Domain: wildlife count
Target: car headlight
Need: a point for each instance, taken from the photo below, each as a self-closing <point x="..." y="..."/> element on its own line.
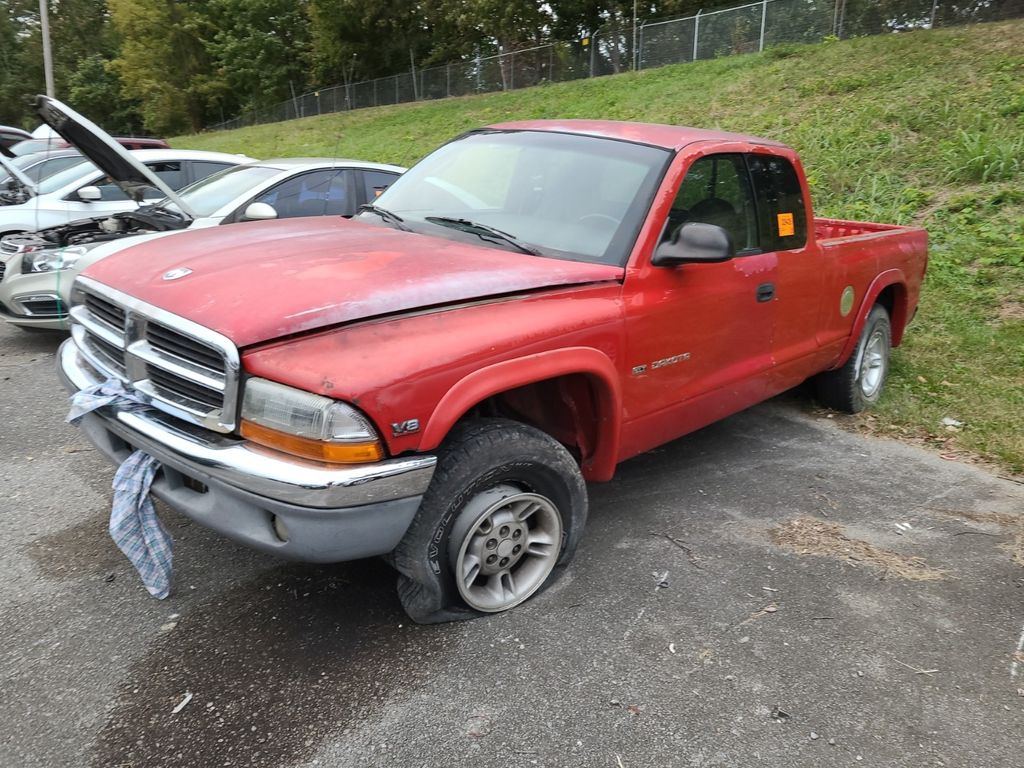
<point x="307" y="425"/>
<point x="52" y="259"/>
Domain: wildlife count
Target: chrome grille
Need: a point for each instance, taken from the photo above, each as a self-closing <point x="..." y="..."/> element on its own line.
<point x="176" y="387"/>
<point x="103" y="310"/>
<point x="111" y="355"/>
<point x="174" y="364"/>
<point x="3" y="269"/>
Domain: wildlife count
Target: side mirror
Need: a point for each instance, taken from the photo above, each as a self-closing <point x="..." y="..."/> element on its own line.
<point x="259" y="212"/>
<point x="90" y="194"/>
<point x="695" y="242"/>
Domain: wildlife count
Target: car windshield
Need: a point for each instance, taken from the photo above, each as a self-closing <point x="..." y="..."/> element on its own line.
<point x="209" y="195"/>
<point x="562" y="195"/>
<point x="31" y="146"/>
<point x="38" y="167"/>
<point x="70" y="175"/>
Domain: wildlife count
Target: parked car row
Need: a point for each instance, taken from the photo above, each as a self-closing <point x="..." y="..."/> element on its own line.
<point x="44" y="242"/>
<point x="436" y="379"/>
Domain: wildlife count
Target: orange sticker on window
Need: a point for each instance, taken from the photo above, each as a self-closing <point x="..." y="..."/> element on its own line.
<point x="786" y="228"/>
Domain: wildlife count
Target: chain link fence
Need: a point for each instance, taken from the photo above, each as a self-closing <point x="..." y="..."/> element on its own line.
<point x="626" y="46"/>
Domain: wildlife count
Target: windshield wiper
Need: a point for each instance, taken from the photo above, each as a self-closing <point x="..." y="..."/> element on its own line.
<point x="384" y="213"/>
<point x="483" y="231"/>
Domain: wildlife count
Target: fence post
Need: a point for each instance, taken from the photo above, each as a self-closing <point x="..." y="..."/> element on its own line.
<point x="512" y="71"/>
<point x="412" y="68"/>
<point x="448" y="80"/>
<point x="764" y="16"/>
<point x="633" y="57"/>
<point x="640" y="49"/>
<point x="696" y="32"/>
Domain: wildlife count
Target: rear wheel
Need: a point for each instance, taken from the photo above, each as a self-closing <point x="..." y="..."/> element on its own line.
<point x="859" y="382"/>
<point x="505" y="510"/>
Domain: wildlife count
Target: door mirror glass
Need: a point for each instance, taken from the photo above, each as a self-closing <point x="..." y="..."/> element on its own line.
<point x="259" y="212"/>
<point x="695" y="242"/>
<point x="90" y="194"/>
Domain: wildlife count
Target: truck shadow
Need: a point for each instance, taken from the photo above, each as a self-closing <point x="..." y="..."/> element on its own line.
<point x="272" y="667"/>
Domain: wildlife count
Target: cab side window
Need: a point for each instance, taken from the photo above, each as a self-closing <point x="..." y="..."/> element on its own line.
<point x="321" y="193"/>
<point x="716" y="190"/>
<point x="780" y="202"/>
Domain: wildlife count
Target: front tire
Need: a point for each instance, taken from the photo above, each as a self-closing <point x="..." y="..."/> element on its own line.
<point x="859" y="382"/>
<point x="504" y="512"/>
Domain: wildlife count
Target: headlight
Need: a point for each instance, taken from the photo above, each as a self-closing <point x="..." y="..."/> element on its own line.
<point x="307" y="425"/>
<point x="52" y="260"/>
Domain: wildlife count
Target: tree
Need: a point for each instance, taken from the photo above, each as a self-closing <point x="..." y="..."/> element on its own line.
<point x="12" y="111"/>
<point x="95" y="89"/>
<point x="366" y="38"/>
<point x="260" y="48"/>
<point x="164" y="62"/>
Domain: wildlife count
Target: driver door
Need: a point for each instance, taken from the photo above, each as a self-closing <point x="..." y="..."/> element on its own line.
<point x="699" y="335"/>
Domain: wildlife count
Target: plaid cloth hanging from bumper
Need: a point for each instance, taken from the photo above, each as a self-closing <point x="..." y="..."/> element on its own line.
<point x="134" y="524"/>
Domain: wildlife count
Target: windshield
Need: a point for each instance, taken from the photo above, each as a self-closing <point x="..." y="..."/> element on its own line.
<point x="209" y="195"/>
<point x="564" y="195"/>
<point x="70" y="175"/>
<point x="37" y="167"/>
<point x="30" y="146"/>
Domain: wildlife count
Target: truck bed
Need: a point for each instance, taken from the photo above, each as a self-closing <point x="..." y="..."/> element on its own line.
<point x="832" y="231"/>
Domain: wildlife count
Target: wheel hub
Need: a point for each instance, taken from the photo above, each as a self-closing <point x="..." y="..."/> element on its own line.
<point x="507" y="543"/>
<point x="872" y="368"/>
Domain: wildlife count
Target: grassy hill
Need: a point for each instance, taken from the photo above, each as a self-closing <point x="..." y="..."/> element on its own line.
<point x="926" y="127"/>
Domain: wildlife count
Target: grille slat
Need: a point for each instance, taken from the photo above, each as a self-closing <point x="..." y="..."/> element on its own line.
<point x="192" y="373"/>
<point x="175" y="386"/>
<point x="173" y="343"/>
<point x="103" y="310"/>
<point x="108" y="353"/>
<point x="3" y="269"/>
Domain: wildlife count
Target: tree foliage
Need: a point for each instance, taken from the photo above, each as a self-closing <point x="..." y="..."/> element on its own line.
<point x="168" y="66"/>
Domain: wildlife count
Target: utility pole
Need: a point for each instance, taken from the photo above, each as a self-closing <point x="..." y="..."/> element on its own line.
<point x="44" y="23"/>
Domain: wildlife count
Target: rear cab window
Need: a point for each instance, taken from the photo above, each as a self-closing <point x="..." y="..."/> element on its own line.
<point x="780" y="202"/>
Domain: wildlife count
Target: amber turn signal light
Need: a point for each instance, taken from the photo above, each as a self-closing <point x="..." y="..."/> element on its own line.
<point x="318" y="450"/>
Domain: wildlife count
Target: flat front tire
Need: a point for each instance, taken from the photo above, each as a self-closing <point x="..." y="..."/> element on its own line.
<point x="503" y="514"/>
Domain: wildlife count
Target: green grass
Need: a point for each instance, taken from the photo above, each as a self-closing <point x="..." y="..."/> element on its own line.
<point x="924" y="128"/>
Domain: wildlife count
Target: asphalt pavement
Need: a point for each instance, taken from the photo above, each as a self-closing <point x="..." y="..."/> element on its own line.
<point x="771" y="591"/>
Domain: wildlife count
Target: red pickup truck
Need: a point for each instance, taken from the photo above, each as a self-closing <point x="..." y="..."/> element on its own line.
<point x="434" y="381"/>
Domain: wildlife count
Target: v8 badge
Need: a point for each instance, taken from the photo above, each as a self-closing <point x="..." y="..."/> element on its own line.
<point x="407" y="427"/>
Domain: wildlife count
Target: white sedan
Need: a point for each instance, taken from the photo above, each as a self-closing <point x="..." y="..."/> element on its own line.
<point x="37" y="270"/>
<point x="83" y="190"/>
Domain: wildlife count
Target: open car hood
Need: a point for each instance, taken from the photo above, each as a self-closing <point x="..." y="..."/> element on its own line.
<point x="16" y="173"/>
<point x="105" y="153"/>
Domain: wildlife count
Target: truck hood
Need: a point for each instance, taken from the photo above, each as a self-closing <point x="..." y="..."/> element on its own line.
<point x="106" y="154"/>
<point x="278" y="278"/>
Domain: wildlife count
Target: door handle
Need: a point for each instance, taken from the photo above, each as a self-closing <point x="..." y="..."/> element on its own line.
<point x="765" y="292"/>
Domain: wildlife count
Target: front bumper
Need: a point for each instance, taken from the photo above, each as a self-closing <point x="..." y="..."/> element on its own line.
<point x="35" y="299"/>
<point x="330" y="513"/>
